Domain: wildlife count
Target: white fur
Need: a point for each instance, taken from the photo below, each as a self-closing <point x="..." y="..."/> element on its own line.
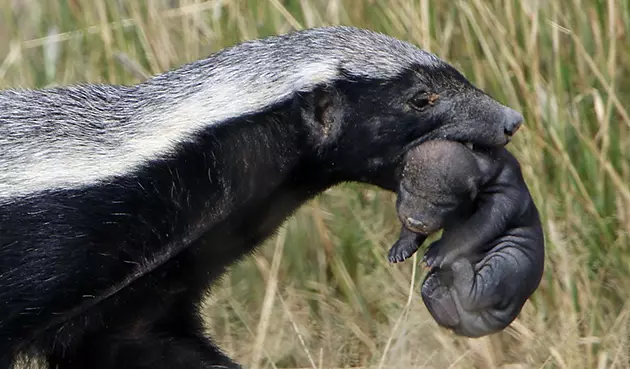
<point x="98" y="132"/>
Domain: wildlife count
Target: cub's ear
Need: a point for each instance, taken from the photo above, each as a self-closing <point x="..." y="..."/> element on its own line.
<point x="322" y="111"/>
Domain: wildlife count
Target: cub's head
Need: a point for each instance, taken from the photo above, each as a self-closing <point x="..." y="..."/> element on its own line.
<point x="382" y="96"/>
<point x="437" y="178"/>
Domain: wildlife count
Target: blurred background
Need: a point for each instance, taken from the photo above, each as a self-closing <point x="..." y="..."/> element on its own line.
<point x="321" y="294"/>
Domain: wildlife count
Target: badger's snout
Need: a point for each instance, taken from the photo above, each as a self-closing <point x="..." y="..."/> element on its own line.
<point x="512" y="121"/>
<point x="484" y="123"/>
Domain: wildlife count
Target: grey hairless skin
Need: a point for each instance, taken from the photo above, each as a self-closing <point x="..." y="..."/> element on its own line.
<point x="490" y="258"/>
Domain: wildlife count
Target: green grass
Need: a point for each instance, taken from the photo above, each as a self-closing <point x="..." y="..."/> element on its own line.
<point x="321" y="294"/>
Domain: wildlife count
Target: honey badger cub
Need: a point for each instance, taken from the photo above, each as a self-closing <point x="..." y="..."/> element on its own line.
<point x="490" y="257"/>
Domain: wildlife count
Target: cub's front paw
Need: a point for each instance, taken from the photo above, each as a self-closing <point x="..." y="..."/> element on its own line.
<point x="402" y="250"/>
<point x="433" y="257"/>
<point x="440" y="255"/>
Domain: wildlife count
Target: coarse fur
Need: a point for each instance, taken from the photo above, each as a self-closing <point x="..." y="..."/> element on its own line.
<point x="490" y="258"/>
<point x="121" y="205"/>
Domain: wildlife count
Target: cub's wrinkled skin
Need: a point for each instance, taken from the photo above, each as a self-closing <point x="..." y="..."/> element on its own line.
<point x="490" y="257"/>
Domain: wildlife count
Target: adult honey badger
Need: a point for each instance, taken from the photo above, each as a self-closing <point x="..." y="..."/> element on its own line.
<point x="120" y="205"/>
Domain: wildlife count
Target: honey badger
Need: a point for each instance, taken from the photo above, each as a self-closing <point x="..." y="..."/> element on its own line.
<point x="121" y="205"/>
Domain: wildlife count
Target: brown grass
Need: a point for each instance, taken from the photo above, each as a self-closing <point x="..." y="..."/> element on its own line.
<point x="321" y="294"/>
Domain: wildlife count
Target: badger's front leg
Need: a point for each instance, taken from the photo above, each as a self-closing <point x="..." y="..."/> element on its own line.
<point x="174" y="341"/>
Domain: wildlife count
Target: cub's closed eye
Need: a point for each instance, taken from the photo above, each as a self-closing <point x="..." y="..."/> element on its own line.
<point x="422" y="100"/>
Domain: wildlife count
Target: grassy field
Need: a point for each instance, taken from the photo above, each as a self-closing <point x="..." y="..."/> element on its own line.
<point x="321" y="294"/>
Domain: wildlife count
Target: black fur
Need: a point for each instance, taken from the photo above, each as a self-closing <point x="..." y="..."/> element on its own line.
<point x="112" y="275"/>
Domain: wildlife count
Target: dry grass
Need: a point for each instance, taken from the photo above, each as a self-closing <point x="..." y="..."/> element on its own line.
<point x="321" y="293"/>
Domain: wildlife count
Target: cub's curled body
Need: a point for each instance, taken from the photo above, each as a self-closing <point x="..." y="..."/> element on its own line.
<point x="490" y="257"/>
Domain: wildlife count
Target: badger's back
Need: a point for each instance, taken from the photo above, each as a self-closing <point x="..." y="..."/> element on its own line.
<point x="70" y="137"/>
<point x="64" y="131"/>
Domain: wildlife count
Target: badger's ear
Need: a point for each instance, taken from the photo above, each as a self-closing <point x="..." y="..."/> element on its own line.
<point x="322" y="112"/>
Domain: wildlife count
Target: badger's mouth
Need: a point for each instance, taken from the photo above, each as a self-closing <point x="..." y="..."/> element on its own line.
<point x="477" y="147"/>
<point x="487" y="146"/>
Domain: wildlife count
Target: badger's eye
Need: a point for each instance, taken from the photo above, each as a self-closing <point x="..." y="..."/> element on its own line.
<point x="422" y="100"/>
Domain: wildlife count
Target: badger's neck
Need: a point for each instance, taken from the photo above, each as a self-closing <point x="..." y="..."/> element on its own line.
<point x="242" y="175"/>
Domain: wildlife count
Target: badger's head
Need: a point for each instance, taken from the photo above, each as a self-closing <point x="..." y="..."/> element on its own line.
<point x="380" y="96"/>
